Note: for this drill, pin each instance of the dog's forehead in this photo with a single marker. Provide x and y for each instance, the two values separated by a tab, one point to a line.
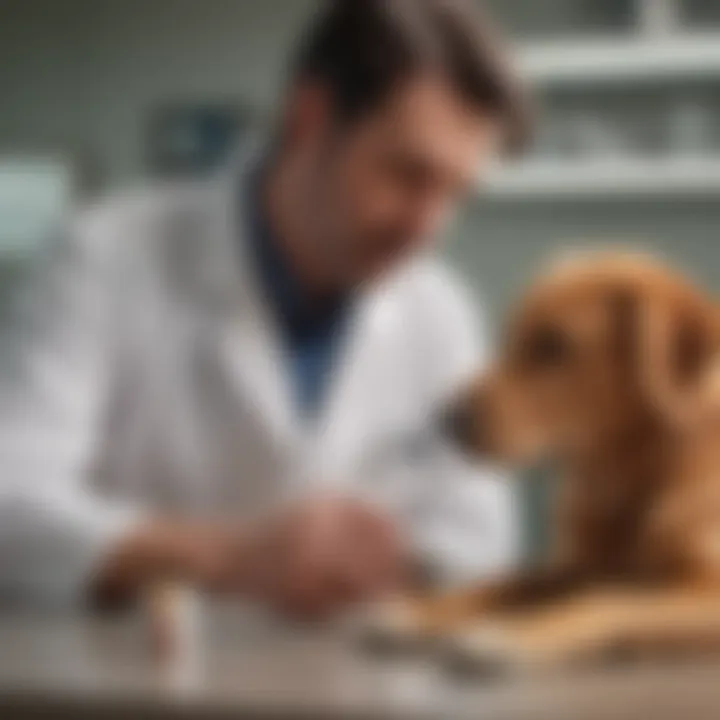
588	269
584	286
593	276
566	291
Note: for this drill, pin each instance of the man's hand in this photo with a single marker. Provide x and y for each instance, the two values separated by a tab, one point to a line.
308	561
315	560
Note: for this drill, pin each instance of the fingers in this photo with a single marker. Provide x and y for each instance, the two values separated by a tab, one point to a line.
376	554
342	554
316	560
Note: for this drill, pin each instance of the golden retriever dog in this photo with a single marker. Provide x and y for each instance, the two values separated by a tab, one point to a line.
610	369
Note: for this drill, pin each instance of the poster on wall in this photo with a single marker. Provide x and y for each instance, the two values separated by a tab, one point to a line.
190	139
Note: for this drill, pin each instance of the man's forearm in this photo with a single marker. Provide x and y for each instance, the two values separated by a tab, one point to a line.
203	554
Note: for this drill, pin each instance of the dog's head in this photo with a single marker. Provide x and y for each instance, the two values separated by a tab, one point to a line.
595	345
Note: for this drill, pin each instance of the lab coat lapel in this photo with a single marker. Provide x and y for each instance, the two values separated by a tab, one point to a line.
249	344
343	427
254	359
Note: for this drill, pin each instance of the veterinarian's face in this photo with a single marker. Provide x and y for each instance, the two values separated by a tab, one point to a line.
589	349
382	187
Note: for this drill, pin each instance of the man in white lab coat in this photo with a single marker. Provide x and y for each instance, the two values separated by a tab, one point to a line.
236	382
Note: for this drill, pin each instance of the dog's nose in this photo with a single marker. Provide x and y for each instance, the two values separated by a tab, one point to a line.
457	423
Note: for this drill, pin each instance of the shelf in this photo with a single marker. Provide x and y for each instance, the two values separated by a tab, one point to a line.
620	60
598	179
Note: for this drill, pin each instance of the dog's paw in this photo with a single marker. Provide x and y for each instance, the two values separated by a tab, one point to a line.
391	627
488	650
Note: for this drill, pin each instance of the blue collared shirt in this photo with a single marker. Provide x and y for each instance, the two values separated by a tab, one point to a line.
311	332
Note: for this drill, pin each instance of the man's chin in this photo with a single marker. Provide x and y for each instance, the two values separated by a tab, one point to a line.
378	268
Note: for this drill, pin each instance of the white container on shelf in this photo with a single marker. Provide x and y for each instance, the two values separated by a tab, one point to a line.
657	17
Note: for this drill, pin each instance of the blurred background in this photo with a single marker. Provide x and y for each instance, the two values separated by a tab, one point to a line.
99	94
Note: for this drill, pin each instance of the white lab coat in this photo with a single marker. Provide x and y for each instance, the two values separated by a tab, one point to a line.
148	374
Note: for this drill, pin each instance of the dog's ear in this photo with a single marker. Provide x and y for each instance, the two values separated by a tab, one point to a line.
669	344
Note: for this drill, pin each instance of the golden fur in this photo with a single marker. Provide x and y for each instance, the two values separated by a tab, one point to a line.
609	367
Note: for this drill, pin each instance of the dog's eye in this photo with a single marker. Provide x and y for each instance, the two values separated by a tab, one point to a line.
547	347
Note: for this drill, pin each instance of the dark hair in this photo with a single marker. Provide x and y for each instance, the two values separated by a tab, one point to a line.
364	49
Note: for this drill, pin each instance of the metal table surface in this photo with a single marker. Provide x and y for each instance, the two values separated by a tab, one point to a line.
54	667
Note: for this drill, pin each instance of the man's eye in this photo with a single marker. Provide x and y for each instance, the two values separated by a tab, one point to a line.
548	347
